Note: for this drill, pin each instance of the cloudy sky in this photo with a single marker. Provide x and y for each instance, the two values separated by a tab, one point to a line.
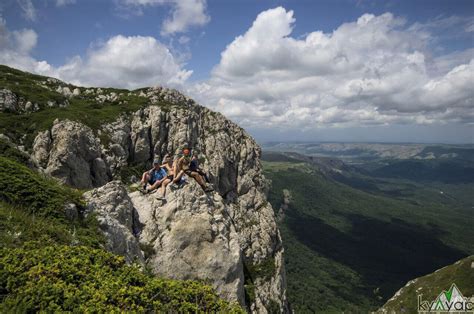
312	70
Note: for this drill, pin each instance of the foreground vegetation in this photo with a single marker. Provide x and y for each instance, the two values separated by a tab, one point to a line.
52	260
351	249
78	278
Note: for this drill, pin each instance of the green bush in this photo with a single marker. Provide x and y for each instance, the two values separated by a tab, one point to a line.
17	226
64	278
32	207
37	194
265	269
7	150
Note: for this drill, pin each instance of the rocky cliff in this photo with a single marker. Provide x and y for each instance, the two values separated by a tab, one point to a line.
228	238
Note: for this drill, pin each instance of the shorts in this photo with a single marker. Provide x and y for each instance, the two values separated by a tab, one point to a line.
171	177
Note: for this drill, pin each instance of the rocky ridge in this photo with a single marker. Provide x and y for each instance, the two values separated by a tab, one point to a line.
225	238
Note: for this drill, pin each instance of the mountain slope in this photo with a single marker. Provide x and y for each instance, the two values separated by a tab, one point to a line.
52	256
88	137
352	249
430	286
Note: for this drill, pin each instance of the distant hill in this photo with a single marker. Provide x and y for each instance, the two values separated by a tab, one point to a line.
447	170
353	239
430	286
374	151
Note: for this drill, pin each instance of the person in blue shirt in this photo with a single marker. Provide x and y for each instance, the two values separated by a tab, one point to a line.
156	178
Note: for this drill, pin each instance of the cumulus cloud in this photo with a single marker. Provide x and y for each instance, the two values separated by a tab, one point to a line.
25	40
374	71
15	48
184	13
126	62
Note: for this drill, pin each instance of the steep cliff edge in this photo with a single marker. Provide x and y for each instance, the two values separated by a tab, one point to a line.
228	238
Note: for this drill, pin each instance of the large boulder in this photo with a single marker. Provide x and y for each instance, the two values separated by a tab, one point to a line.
8	101
190	235
71	153
193	237
117	218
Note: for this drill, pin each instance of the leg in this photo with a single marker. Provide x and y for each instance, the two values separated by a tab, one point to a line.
145	177
177	178
198	179
204	175
154	186
163	186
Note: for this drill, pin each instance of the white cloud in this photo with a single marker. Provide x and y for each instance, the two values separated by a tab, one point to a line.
127	62
184	13
183	40
62	3
25	40
469	27
15	48
29	11
373	71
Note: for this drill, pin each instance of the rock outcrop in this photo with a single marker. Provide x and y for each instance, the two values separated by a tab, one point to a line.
10	102
117	218
192	237
245	223
71	152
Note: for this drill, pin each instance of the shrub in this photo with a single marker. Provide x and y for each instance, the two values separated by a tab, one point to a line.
265	269
32	209
40	195
7	150
64	278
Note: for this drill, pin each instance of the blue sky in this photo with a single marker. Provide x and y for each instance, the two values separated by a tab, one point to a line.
313	70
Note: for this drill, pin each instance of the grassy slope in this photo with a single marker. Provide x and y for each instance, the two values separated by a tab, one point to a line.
348	249
430	286
51	263
83	108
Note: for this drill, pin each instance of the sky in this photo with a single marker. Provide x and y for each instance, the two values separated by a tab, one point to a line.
305	70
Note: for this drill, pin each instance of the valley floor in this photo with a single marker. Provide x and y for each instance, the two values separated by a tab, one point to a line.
351	248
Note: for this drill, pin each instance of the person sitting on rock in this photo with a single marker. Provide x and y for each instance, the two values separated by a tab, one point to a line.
168	166
156	177
181	167
194	166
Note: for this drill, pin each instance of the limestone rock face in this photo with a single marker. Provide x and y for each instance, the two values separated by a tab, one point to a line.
10	102
232	160
117	218
193	237
71	153
41	148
